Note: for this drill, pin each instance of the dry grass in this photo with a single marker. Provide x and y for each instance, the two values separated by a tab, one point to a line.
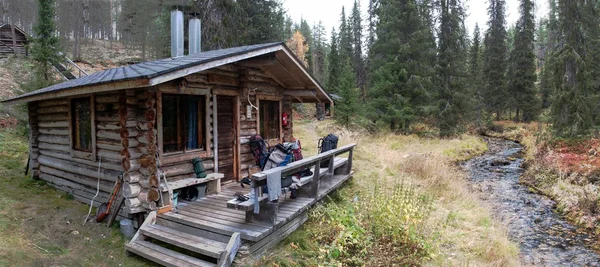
454	229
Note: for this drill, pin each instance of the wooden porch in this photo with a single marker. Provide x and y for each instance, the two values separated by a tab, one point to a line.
215	218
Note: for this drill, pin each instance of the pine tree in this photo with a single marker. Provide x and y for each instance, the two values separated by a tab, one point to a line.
591	31
453	97
522	79
400	93
495	60
333	58
45	44
571	108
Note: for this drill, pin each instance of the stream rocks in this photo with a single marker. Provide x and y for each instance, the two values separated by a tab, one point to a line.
545	238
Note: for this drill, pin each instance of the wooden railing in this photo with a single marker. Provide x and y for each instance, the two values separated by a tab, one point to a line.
259	179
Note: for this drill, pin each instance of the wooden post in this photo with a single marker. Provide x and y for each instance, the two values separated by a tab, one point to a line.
314	190
349	162
14	38
330	168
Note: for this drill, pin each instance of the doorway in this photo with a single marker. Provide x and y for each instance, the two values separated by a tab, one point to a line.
227	137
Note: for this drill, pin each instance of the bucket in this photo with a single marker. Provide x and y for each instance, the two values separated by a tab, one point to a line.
126	227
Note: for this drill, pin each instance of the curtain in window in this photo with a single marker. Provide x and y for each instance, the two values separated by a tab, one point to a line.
192	118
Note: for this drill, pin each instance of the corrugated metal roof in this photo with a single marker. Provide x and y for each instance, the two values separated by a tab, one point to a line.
147	70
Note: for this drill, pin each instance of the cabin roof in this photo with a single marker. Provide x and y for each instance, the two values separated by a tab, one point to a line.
17	29
164	70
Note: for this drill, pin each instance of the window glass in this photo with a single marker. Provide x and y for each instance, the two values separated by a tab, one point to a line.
81	116
183	123
269	119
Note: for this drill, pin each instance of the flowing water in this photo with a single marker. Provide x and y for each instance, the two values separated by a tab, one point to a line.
545	238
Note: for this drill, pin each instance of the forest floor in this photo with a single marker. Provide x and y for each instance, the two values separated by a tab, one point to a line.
568	171
409	203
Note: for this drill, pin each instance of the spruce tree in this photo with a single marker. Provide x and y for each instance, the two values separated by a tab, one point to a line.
45	44
571	108
345	38
400	93
346	108
591	30
495	60
333	59
475	77
522	75
453	97
357	57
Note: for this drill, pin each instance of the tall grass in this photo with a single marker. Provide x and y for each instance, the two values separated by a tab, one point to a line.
408	204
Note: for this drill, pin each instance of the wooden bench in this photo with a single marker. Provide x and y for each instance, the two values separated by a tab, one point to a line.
314	162
212	181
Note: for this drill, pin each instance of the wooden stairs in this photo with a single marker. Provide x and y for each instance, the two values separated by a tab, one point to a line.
162	243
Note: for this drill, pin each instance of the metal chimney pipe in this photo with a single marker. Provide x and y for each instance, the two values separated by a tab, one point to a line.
195	36
176	33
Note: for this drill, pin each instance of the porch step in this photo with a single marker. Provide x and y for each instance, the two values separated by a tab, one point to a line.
187	241
163	255
212	251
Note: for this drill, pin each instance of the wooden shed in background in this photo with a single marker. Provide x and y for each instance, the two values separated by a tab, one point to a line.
13	41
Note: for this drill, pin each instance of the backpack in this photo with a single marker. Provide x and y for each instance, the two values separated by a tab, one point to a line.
259	149
327	143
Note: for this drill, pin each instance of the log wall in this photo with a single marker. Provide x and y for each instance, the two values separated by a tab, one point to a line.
77	173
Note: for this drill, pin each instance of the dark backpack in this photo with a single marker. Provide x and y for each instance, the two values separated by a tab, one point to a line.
327	143
259	150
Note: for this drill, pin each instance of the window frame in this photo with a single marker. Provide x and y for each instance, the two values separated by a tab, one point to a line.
200	152
259	116
79	153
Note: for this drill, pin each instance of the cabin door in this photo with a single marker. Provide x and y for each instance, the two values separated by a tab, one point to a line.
227	132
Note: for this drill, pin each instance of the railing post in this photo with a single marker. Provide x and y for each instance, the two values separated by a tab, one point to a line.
314	190
349	162
330	167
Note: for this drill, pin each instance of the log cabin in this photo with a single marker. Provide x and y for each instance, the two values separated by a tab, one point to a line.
145	123
13	41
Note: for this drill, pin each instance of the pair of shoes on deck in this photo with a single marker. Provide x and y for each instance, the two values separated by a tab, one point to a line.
245	180
240	197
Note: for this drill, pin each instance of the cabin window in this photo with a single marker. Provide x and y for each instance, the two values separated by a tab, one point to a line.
269	119
81	121
183	123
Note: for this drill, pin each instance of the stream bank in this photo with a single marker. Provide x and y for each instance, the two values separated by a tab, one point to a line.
544	238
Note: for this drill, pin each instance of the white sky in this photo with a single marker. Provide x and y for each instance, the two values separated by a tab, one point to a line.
329	11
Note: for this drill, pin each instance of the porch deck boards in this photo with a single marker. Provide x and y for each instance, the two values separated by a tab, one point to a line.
211	213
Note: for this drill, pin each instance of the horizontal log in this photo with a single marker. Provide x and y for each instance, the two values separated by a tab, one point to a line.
114	125
55	131
54	139
56	102
110	154
76	178
222	80
182	158
83	155
53	124
53	117
53	109
107	107
146	171
103	99
106	164
131	190
78	168
197	77
55	147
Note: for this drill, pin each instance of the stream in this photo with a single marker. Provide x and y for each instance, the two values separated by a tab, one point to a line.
544	237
